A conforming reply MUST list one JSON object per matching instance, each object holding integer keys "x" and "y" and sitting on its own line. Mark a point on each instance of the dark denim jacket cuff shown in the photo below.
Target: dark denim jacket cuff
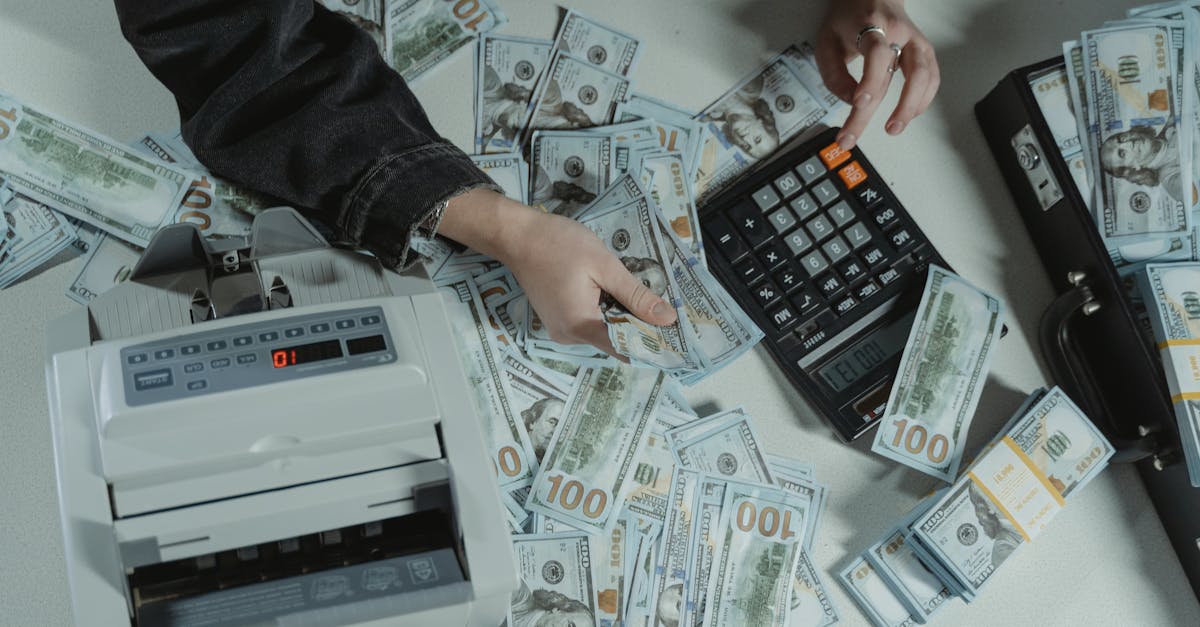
{"x": 404, "y": 195}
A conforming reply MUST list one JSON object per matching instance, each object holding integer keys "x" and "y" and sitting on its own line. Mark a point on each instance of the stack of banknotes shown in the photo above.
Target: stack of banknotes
{"x": 1125, "y": 114}
{"x": 956, "y": 540}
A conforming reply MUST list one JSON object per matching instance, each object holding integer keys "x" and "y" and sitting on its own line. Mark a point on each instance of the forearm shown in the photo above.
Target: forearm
{"x": 287, "y": 98}
{"x": 490, "y": 223}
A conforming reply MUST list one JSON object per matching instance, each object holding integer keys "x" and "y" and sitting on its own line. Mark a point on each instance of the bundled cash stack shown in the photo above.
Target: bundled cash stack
{"x": 1125, "y": 114}
{"x": 956, "y": 540}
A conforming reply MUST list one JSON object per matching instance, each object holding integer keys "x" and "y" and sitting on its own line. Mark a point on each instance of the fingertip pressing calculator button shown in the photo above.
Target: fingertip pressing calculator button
{"x": 868, "y": 195}
{"x": 788, "y": 278}
{"x": 811, "y": 169}
{"x": 137, "y": 358}
{"x": 766, "y": 294}
{"x": 825, "y": 192}
{"x": 836, "y": 249}
{"x": 814, "y": 263}
{"x": 858, "y": 235}
{"x": 830, "y": 284}
{"x": 852, "y": 270}
{"x": 901, "y": 238}
{"x": 344, "y": 324}
{"x": 218, "y": 345}
{"x": 782, "y": 220}
{"x": 806, "y": 301}
{"x": 874, "y": 256}
{"x": 841, "y": 213}
{"x": 293, "y": 332}
{"x": 765, "y": 197}
{"x": 833, "y": 155}
{"x": 164, "y": 353}
{"x": 804, "y": 206}
{"x": 269, "y": 336}
{"x": 370, "y": 320}
{"x": 885, "y": 217}
{"x": 787, "y": 184}
{"x": 320, "y": 327}
{"x": 783, "y": 317}
{"x": 852, "y": 175}
{"x": 843, "y": 306}
{"x": 867, "y": 290}
{"x": 721, "y": 231}
{"x": 773, "y": 255}
{"x": 820, "y": 227}
{"x": 749, "y": 271}
{"x": 190, "y": 349}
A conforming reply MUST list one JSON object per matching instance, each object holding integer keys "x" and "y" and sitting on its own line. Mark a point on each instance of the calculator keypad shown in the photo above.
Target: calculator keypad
{"x": 811, "y": 244}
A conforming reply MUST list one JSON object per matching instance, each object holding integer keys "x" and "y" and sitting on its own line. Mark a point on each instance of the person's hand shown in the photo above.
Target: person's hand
{"x": 562, "y": 266}
{"x": 836, "y": 47}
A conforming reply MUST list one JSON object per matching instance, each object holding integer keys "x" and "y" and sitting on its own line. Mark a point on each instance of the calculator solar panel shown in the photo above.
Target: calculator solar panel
{"x": 818, "y": 251}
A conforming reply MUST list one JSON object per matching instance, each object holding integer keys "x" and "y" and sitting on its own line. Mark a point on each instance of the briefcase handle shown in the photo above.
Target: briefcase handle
{"x": 1075, "y": 375}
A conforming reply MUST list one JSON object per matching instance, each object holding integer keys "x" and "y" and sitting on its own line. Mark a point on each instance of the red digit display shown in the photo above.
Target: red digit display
{"x": 306, "y": 353}
{"x": 279, "y": 358}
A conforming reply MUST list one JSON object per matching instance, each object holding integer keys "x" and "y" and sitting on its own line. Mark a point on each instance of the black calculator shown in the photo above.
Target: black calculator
{"x": 818, "y": 251}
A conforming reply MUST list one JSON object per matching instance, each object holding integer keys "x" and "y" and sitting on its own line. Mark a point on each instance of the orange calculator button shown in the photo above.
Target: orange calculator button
{"x": 852, "y": 175}
{"x": 833, "y": 155}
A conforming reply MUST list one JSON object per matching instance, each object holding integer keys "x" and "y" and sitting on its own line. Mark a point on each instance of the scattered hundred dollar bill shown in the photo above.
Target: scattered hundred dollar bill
{"x": 959, "y": 538}
{"x": 941, "y": 375}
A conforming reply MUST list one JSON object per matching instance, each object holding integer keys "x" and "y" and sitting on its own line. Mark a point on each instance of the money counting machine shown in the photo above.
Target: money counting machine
{"x": 271, "y": 431}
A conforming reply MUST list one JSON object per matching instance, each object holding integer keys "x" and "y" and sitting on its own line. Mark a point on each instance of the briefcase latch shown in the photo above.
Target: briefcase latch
{"x": 1030, "y": 157}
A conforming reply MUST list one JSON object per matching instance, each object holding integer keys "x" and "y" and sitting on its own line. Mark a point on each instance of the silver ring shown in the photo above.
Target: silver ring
{"x": 869, "y": 28}
{"x": 895, "y": 62}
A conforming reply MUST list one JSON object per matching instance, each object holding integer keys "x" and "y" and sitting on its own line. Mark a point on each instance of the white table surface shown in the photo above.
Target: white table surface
{"x": 1104, "y": 561}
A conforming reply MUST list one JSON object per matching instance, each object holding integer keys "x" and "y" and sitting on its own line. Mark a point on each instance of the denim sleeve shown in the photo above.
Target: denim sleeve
{"x": 288, "y": 98}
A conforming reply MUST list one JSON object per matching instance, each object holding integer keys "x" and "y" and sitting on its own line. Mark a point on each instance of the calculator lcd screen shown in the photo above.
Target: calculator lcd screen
{"x": 864, "y": 356}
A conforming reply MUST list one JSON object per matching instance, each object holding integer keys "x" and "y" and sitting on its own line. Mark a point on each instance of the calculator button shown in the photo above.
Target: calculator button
{"x": 804, "y": 206}
{"x": 782, "y": 220}
{"x": 370, "y": 320}
{"x": 193, "y": 367}
{"x": 852, "y": 270}
{"x": 788, "y": 278}
{"x": 222, "y": 362}
{"x": 901, "y": 238}
{"x": 833, "y": 155}
{"x": 296, "y": 332}
{"x": 820, "y": 227}
{"x": 852, "y": 175}
{"x": 811, "y": 169}
{"x": 889, "y": 276}
{"x": 885, "y": 217}
{"x": 751, "y": 223}
{"x": 787, "y": 184}
{"x": 868, "y": 195}
{"x": 783, "y": 317}
{"x": 749, "y": 271}
{"x": 797, "y": 242}
{"x": 867, "y": 290}
{"x": 164, "y": 353}
{"x": 218, "y": 345}
{"x": 825, "y": 192}
{"x": 814, "y": 263}
{"x": 247, "y": 358}
{"x": 269, "y": 336}
{"x": 858, "y": 235}
{"x": 728, "y": 241}
{"x": 806, "y": 301}
{"x": 874, "y": 256}
{"x": 841, "y": 213}
{"x": 190, "y": 349}
{"x": 320, "y": 327}
{"x": 773, "y": 255}
{"x": 836, "y": 249}
{"x": 342, "y": 325}
{"x": 830, "y": 284}
{"x": 766, "y": 294}
{"x": 765, "y": 197}
{"x": 843, "y": 307}
{"x": 197, "y": 385}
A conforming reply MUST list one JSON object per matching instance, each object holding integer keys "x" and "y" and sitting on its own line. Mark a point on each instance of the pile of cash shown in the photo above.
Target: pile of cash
{"x": 653, "y": 516}
{"x": 956, "y": 540}
{"x": 1125, "y": 114}
{"x": 941, "y": 375}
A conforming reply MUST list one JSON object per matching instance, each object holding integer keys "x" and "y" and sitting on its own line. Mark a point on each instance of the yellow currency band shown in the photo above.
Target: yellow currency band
{"x": 1182, "y": 342}
{"x": 1000, "y": 506}
{"x": 1186, "y": 396}
{"x": 1037, "y": 472}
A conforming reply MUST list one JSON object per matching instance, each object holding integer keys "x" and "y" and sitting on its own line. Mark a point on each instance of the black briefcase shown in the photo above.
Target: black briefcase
{"x": 1089, "y": 335}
